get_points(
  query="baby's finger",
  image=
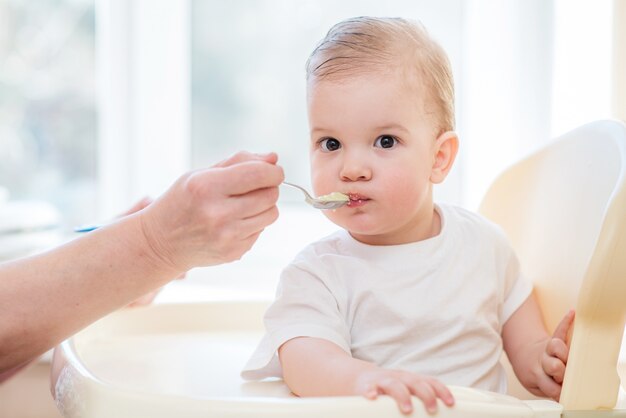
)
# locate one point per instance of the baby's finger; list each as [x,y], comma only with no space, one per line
[398,391]
[563,328]
[549,387]
[557,348]
[426,393]
[371,392]
[554,368]
[442,392]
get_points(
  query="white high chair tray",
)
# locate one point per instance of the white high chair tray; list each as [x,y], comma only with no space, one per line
[184,360]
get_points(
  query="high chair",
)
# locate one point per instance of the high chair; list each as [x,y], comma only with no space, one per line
[564,210]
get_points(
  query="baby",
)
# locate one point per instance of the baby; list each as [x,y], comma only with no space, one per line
[410,295]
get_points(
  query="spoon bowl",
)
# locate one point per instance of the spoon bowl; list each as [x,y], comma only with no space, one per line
[330,201]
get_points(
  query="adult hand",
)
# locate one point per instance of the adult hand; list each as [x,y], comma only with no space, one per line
[213,216]
[207,217]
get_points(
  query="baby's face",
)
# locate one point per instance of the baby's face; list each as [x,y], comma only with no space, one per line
[370,139]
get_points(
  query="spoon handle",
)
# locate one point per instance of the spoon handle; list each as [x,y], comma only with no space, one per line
[302,189]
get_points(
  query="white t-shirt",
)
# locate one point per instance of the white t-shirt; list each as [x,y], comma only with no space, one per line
[434,307]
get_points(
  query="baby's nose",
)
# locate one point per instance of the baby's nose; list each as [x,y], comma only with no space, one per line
[355,169]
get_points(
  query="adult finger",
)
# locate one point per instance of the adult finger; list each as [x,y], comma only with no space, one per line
[398,391]
[242,156]
[562,329]
[254,202]
[426,393]
[250,175]
[142,203]
[255,224]
[144,300]
[249,241]
[237,248]
[557,348]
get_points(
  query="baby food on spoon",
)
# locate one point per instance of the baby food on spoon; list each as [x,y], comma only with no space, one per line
[333,197]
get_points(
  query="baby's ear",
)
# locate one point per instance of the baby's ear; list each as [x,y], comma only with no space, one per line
[446,147]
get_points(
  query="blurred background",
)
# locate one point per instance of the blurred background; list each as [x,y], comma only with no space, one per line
[105,101]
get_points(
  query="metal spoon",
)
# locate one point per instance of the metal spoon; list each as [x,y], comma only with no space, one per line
[329,201]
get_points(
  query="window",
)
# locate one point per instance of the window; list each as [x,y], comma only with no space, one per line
[47,104]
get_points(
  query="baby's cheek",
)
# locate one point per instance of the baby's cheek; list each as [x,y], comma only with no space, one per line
[403,191]
[316,187]
[321,181]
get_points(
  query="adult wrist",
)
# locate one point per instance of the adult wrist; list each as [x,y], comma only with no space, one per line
[154,246]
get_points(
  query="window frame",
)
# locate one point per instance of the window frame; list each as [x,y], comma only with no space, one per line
[144,124]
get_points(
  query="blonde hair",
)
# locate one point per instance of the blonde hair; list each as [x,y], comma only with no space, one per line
[363,45]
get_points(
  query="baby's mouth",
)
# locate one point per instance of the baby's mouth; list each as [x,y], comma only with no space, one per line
[357,199]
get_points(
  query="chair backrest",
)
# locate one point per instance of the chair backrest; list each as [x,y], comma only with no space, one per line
[564,210]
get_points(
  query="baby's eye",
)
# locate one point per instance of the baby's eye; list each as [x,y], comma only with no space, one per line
[330,144]
[385,141]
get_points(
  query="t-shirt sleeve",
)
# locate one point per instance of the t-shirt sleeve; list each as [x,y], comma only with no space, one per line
[304,307]
[517,288]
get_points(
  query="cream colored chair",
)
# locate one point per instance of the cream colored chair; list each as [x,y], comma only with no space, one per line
[564,209]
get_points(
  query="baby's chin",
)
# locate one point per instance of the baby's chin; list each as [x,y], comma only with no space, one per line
[355,225]
[335,218]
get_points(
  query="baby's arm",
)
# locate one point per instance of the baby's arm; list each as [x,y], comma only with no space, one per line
[317,367]
[538,359]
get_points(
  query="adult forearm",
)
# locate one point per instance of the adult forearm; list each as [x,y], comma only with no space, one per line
[48,297]
[207,217]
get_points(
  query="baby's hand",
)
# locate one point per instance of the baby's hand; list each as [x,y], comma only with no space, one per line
[554,358]
[400,385]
